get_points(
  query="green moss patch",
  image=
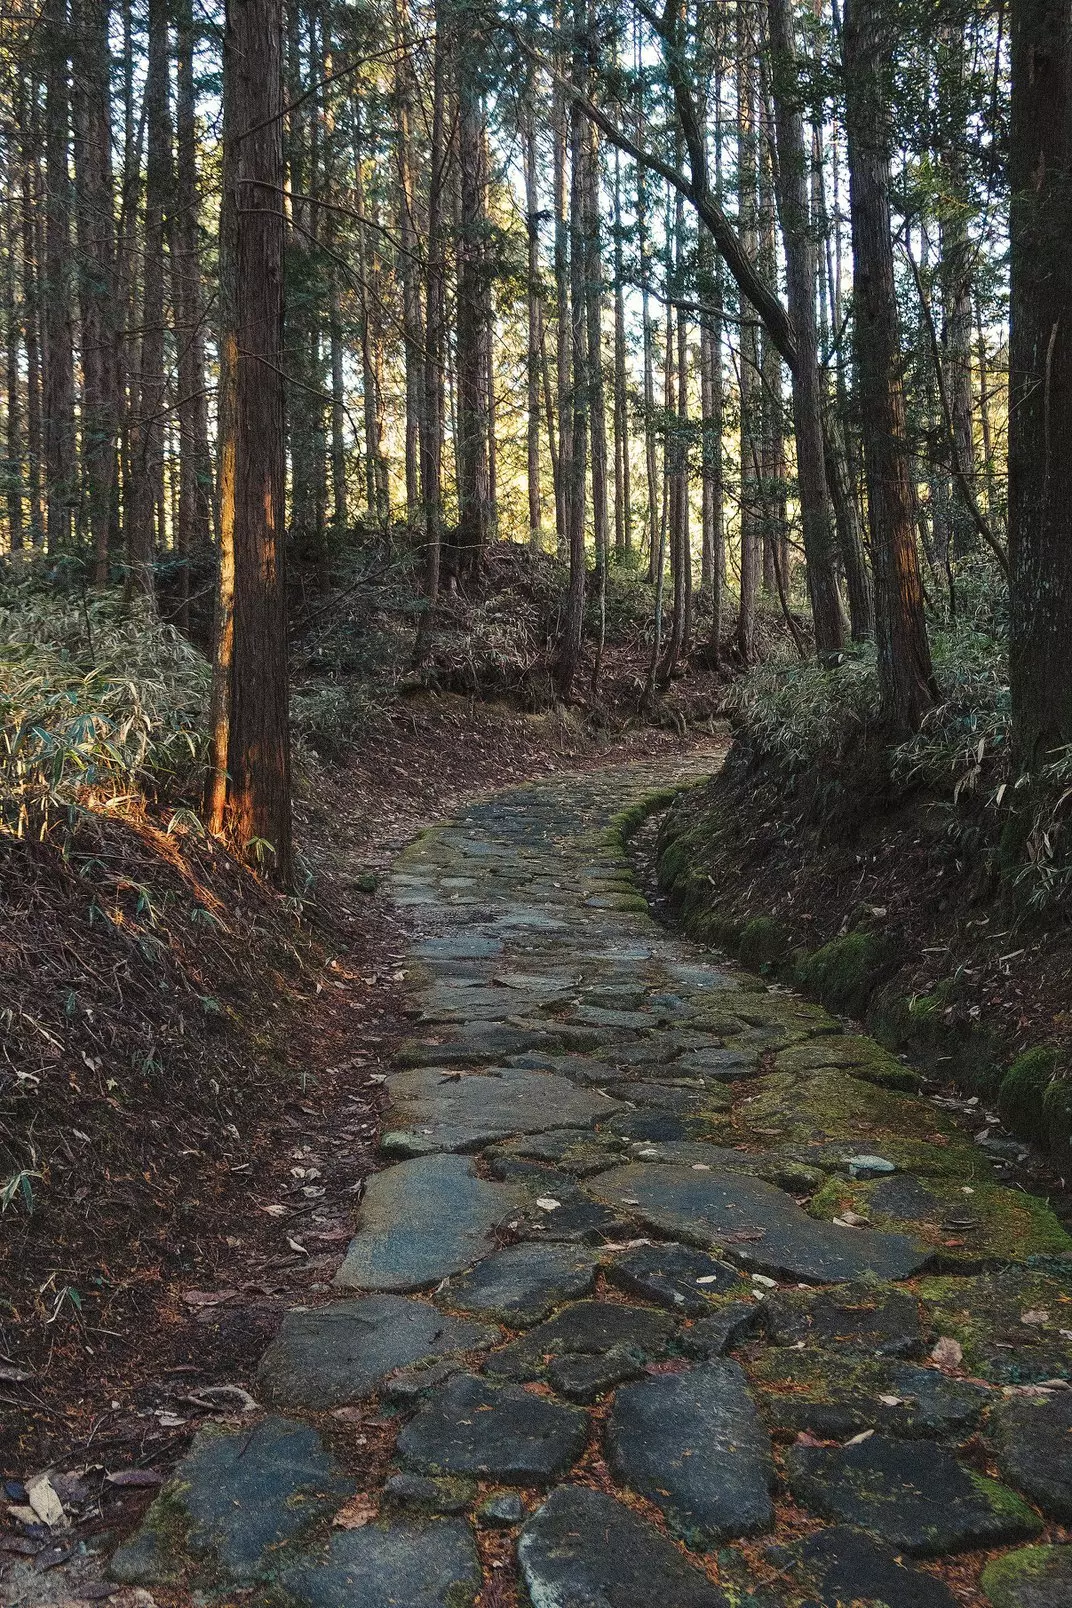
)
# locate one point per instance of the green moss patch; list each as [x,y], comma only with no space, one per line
[844,973]
[965,1225]
[858,1056]
[986,1315]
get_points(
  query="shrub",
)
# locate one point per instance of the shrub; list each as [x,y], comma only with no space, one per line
[96,702]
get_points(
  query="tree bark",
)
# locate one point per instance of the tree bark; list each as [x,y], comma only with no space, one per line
[58,333]
[1040,380]
[906,682]
[252,453]
[473,365]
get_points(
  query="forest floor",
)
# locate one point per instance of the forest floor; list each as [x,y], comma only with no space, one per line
[183,1249]
[509,963]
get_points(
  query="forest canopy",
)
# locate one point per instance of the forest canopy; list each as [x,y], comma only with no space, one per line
[743,301]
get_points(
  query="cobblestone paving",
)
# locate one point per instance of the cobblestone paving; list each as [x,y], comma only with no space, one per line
[655,1248]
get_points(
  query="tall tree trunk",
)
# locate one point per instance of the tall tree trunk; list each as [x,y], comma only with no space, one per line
[254,795]
[408,257]
[97,287]
[535,352]
[13,444]
[1040,380]
[594,340]
[474,499]
[623,491]
[563,326]
[798,236]
[31,301]
[195,459]
[569,649]
[748,367]
[651,462]
[58,341]
[147,435]
[906,682]
[712,574]
[432,384]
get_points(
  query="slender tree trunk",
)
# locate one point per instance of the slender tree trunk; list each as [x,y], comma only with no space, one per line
[906,682]
[147,436]
[13,455]
[748,369]
[594,340]
[569,651]
[1040,380]
[31,297]
[560,136]
[474,499]
[408,260]
[533,365]
[798,236]
[195,459]
[432,385]
[58,342]
[253,457]
[623,491]
[651,462]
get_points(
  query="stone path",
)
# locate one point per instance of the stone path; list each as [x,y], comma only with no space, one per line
[671,1290]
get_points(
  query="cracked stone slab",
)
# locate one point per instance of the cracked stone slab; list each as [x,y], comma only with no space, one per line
[422,1220]
[587,1328]
[842,1565]
[494,1432]
[912,1494]
[432,1111]
[582,1547]
[674,1276]
[235,1499]
[523,1283]
[877,1322]
[755,1223]
[694,1445]
[433,1564]
[834,1395]
[326,1356]
[1033,1438]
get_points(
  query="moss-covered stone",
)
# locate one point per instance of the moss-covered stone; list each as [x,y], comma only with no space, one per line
[844,973]
[827,1106]
[1023,1090]
[858,1056]
[965,1225]
[985,1314]
[764,944]
[1030,1577]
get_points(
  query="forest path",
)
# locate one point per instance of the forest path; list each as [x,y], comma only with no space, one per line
[611,1163]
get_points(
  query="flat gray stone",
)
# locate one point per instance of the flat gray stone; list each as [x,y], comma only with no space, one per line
[503,1509]
[835,1395]
[726,1327]
[585,1379]
[523,1283]
[433,1564]
[875,1322]
[1033,1437]
[431,1495]
[754,1223]
[694,1445]
[841,1565]
[912,1494]
[675,1276]
[421,1221]
[239,1496]
[585,1550]
[493,1432]
[432,1111]
[326,1356]
[1033,1577]
[587,1328]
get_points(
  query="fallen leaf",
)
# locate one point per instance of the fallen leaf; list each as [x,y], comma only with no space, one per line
[892,1401]
[275,1211]
[948,1353]
[359,1511]
[41,1494]
[1035,1316]
[207,1298]
[856,1440]
[547,1203]
[135,1477]
[296,1245]
[14,1376]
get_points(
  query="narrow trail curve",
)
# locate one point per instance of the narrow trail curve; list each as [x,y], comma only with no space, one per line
[670,1289]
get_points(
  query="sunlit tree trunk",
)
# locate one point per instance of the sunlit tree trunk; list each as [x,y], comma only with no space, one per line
[58,333]
[253,798]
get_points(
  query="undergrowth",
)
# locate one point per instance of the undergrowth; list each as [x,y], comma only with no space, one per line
[815,731]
